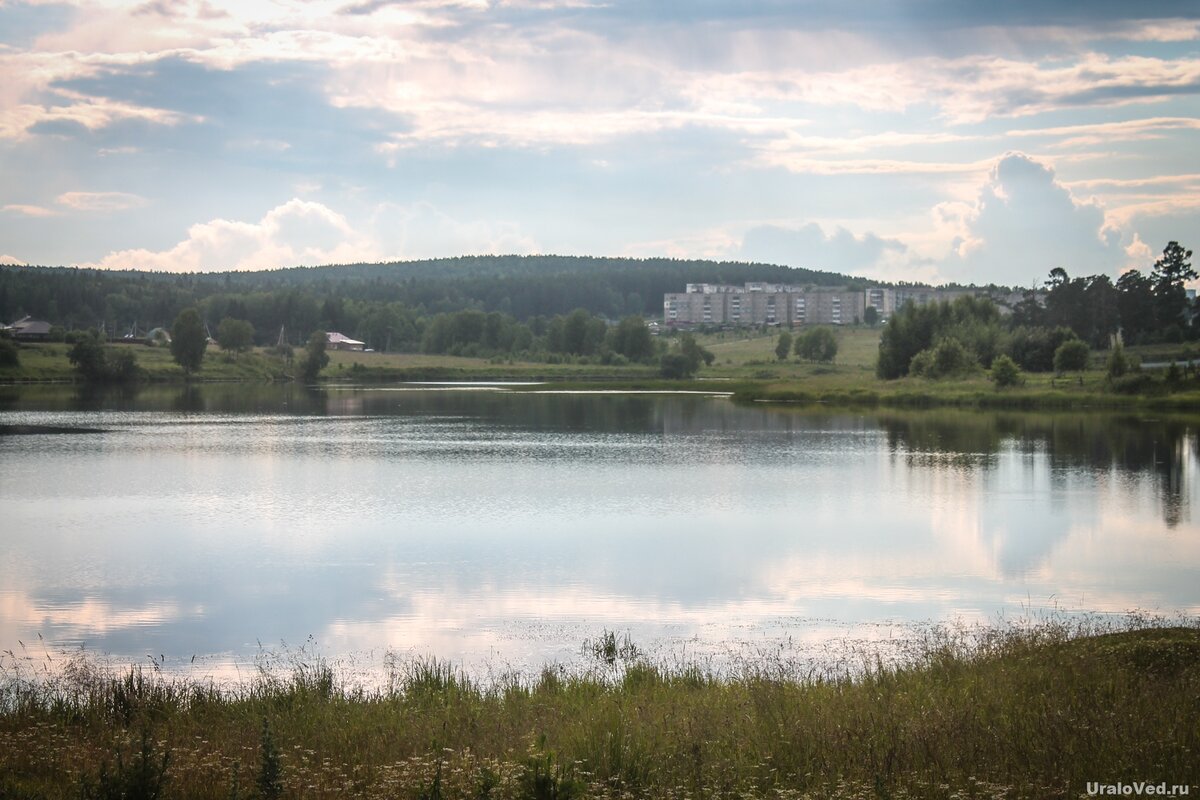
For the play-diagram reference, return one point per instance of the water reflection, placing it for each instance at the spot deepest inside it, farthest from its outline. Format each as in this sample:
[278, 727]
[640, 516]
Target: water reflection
[473, 524]
[1125, 447]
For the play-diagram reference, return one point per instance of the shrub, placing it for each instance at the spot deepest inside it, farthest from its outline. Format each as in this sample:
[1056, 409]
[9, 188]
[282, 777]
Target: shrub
[818, 344]
[675, 366]
[1174, 376]
[1133, 383]
[1071, 356]
[9, 357]
[1005, 372]
[1117, 364]
[951, 358]
[921, 364]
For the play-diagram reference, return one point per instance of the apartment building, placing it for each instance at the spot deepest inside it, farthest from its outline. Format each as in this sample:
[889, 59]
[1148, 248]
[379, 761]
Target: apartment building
[759, 303]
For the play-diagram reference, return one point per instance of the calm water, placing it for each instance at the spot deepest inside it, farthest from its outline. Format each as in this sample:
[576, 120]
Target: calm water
[505, 528]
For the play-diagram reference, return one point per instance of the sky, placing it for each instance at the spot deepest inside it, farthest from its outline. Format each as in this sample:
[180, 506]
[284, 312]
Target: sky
[925, 140]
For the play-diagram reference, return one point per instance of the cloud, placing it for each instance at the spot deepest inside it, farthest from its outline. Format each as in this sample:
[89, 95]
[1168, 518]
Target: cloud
[1025, 223]
[28, 210]
[1132, 130]
[810, 246]
[11, 261]
[301, 232]
[297, 232]
[100, 201]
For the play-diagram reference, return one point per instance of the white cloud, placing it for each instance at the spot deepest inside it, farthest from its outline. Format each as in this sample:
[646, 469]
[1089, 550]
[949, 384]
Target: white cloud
[100, 201]
[812, 247]
[28, 210]
[302, 232]
[297, 232]
[1025, 223]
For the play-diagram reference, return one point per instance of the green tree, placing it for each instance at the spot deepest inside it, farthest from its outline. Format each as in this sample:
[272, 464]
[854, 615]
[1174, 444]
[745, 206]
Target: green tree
[315, 357]
[694, 352]
[631, 338]
[1005, 372]
[818, 344]
[684, 361]
[1071, 356]
[87, 357]
[783, 346]
[1170, 295]
[871, 316]
[188, 340]
[235, 335]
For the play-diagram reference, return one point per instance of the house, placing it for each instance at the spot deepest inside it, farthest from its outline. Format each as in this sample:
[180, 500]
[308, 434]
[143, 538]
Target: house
[29, 330]
[338, 341]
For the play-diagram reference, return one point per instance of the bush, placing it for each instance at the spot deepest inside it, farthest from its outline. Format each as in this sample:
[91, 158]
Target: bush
[1174, 376]
[675, 366]
[1071, 356]
[9, 357]
[818, 344]
[1117, 364]
[921, 364]
[951, 358]
[1133, 383]
[1033, 348]
[1005, 372]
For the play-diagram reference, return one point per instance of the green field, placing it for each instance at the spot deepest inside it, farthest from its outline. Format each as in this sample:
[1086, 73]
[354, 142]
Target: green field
[985, 713]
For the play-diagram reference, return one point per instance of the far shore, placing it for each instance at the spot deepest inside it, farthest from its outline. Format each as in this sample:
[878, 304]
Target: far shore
[744, 365]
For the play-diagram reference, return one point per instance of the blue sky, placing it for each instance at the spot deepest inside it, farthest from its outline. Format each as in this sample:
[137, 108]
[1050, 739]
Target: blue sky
[929, 140]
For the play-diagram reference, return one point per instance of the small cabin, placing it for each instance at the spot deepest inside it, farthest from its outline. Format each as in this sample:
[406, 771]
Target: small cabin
[338, 341]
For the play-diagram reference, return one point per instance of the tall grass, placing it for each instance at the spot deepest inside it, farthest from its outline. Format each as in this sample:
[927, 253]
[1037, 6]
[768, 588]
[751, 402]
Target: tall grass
[1004, 711]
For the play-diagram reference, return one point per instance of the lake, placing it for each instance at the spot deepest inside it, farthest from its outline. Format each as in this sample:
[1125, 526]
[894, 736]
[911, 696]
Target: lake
[208, 526]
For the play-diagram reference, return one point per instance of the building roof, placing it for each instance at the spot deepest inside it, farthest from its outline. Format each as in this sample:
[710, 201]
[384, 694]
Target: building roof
[333, 337]
[30, 327]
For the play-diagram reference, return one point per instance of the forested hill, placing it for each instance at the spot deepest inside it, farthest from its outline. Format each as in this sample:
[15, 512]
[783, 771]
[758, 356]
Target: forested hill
[308, 297]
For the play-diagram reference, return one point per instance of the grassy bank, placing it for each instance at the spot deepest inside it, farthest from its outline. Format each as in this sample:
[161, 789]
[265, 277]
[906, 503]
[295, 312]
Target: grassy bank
[744, 364]
[996, 713]
[49, 363]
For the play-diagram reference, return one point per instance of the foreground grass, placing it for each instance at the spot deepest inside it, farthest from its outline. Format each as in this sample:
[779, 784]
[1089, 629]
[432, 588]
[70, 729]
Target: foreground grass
[993, 713]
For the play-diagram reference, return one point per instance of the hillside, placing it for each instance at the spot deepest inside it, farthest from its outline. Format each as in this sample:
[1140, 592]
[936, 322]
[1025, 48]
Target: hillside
[304, 297]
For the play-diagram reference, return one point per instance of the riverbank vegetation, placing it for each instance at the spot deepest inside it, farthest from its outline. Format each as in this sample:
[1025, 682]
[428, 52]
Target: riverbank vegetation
[1012, 712]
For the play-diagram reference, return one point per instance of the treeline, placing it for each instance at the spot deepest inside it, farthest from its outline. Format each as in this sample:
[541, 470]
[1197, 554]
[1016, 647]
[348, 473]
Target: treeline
[947, 338]
[388, 306]
[579, 334]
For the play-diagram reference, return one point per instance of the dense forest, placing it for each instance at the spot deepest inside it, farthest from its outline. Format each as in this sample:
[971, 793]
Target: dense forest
[388, 306]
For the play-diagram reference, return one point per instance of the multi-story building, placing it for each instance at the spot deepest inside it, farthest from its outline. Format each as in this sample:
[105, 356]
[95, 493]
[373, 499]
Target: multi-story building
[789, 305]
